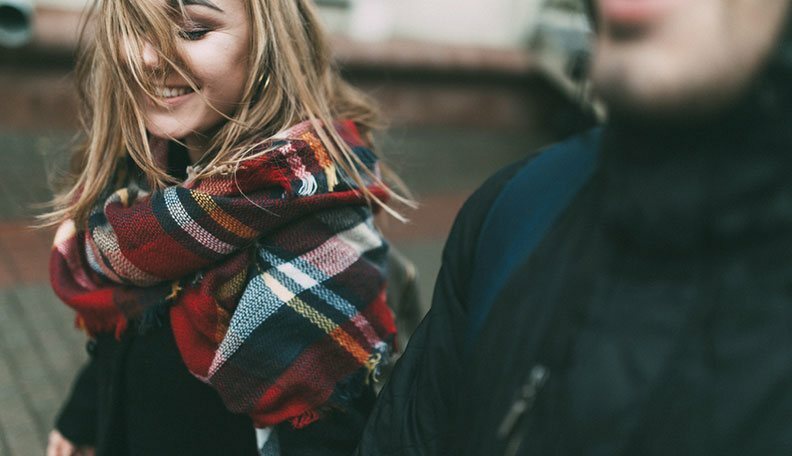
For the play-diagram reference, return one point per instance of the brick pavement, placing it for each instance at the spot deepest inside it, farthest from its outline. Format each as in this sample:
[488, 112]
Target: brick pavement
[40, 351]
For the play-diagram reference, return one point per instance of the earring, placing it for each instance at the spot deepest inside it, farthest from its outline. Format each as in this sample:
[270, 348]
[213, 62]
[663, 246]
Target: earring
[261, 88]
[266, 83]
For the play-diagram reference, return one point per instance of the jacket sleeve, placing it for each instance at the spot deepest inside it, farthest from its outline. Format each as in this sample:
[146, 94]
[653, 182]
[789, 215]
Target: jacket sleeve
[416, 410]
[77, 418]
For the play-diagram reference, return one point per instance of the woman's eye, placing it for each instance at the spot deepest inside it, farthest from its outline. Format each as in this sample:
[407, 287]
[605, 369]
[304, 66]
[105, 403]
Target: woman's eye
[193, 34]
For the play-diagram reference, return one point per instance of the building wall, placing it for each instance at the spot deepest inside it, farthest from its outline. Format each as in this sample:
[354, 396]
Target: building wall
[499, 23]
[496, 23]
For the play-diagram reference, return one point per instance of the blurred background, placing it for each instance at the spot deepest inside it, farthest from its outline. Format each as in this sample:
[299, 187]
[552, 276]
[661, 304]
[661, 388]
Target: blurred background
[467, 87]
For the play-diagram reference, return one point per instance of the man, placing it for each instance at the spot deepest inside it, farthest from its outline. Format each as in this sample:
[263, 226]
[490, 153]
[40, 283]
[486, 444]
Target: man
[653, 312]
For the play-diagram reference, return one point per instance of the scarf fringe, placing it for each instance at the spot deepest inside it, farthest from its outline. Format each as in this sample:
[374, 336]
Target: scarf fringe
[115, 325]
[348, 390]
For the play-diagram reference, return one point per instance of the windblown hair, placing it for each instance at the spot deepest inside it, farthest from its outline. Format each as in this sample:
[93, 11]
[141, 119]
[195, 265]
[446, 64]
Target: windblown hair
[291, 79]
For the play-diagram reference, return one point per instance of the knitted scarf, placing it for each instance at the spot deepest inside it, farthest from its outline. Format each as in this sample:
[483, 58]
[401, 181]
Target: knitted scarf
[273, 276]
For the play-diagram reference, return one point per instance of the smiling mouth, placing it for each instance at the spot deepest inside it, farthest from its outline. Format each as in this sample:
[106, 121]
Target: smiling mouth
[172, 92]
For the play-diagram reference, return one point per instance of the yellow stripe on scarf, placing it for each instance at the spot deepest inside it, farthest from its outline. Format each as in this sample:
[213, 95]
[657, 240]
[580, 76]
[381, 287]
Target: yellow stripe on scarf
[233, 286]
[340, 336]
[223, 320]
[337, 333]
[222, 217]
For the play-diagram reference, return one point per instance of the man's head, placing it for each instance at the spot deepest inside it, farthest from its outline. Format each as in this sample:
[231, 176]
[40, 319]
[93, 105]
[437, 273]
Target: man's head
[662, 58]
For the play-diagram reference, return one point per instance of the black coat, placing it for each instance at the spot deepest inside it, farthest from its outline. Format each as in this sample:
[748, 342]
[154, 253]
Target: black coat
[655, 317]
[136, 397]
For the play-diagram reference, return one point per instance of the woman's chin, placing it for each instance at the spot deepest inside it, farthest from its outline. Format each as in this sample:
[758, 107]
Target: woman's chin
[168, 130]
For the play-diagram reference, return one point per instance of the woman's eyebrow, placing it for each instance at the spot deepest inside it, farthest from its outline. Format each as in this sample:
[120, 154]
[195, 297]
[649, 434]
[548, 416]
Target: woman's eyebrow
[206, 3]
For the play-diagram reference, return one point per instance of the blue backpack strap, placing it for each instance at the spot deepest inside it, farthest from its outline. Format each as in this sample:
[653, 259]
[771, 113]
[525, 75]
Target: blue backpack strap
[526, 208]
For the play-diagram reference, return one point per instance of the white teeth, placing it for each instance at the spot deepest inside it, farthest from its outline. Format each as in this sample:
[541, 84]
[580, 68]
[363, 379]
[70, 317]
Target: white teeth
[171, 92]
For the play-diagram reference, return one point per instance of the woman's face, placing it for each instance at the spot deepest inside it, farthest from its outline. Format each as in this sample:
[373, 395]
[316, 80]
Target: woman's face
[214, 45]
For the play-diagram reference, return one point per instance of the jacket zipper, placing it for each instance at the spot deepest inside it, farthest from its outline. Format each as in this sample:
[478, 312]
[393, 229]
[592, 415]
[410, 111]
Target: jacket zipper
[526, 397]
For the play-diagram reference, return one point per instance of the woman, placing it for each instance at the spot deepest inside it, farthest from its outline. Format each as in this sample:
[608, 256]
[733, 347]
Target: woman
[216, 241]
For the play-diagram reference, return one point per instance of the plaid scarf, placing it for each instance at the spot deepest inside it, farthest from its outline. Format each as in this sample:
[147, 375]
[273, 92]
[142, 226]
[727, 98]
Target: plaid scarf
[273, 276]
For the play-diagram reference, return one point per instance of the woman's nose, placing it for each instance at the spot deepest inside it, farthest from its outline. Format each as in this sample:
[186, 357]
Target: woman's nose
[150, 56]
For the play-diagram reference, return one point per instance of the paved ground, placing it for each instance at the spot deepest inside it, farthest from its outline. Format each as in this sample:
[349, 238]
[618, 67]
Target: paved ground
[40, 350]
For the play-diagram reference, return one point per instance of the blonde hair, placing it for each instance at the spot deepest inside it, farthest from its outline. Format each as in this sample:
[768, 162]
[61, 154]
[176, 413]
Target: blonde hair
[292, 79]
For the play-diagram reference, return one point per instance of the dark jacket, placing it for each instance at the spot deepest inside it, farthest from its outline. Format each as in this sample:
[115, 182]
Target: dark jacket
[653, 317]
[136, 397]
[416, 412]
